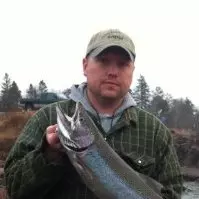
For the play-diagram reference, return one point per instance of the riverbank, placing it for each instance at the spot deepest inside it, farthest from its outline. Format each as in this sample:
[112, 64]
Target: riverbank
[190, 174]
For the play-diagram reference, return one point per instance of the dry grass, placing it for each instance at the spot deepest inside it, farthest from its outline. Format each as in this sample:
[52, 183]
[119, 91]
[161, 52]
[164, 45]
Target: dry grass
[11, 125]
[14, 121]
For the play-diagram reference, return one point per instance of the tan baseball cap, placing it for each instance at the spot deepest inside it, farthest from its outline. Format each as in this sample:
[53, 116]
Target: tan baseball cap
[107, 38]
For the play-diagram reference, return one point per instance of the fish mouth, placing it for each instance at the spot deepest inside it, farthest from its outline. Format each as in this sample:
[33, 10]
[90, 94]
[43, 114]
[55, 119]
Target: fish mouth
[72, 134]
[76, 149]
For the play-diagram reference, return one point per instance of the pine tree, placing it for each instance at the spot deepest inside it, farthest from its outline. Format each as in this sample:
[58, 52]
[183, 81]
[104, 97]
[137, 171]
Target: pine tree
[159, 104]
[141, 93]
[6, 85]
[31, 92]
[181, 114]
[14, 94]
[158, 92]
[42, 87]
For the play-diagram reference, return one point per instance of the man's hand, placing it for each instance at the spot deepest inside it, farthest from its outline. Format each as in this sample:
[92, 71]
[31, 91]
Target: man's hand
[52, 138]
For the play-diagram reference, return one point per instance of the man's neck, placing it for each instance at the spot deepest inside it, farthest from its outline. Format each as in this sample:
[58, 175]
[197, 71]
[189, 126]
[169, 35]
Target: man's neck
[104, 106]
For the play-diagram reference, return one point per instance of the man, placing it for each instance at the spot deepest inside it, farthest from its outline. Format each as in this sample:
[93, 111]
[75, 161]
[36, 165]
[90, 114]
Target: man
[36, 167]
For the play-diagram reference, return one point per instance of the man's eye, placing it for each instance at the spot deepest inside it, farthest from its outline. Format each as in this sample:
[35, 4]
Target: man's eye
[123, 63]
[104, 60]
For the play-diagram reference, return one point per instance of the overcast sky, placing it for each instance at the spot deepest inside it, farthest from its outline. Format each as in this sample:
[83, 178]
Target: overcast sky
[47, 40]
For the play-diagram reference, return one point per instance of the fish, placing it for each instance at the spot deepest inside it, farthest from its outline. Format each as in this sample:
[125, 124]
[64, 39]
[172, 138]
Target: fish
[103, 171]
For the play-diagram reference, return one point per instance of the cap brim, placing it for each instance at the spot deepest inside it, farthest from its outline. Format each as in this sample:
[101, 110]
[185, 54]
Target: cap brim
[100, 49]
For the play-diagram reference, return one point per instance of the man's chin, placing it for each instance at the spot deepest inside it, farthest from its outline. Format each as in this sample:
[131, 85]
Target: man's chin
[110, 95]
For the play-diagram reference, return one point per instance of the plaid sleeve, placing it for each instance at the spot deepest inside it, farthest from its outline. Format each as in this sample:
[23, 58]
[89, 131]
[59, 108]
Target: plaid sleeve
[168, 169]
[28, 173]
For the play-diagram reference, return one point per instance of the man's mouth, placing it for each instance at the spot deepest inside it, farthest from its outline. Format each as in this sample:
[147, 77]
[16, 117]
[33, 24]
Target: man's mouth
[111, 83]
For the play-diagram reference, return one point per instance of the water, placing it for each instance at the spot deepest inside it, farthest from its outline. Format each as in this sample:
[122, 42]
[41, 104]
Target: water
[192, 192]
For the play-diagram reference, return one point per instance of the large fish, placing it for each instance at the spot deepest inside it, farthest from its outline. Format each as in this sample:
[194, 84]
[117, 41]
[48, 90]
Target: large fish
[104, 172]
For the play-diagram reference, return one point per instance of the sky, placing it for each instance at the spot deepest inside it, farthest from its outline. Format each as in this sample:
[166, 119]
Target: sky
[47, 40]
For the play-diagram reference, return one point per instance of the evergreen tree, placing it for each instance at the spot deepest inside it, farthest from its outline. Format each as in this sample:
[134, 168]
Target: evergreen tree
[181, 114]
[14, 94]
[141, 93]
[31, 92]
[159, 105]
[42, 87]
[6, 85]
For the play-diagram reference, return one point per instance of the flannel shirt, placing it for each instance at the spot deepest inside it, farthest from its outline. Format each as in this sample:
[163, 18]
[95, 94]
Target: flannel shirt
[138, 137]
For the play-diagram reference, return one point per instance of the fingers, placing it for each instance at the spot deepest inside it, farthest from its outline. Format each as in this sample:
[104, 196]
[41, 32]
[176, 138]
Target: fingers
[52, 136]
[51, 129]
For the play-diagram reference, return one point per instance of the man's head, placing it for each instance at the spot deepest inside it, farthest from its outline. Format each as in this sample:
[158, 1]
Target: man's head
[111, 37]
[109, 64]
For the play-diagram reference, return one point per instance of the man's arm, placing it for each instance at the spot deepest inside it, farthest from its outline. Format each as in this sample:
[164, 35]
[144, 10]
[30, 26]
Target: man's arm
[168, 171]
[32, 168]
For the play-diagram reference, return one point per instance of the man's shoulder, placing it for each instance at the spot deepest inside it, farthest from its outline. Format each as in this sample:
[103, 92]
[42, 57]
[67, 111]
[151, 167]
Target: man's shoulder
[146, 119]
[143, 114]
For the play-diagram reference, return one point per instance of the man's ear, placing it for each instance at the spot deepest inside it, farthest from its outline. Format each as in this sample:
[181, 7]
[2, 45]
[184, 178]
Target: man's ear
[85, 63]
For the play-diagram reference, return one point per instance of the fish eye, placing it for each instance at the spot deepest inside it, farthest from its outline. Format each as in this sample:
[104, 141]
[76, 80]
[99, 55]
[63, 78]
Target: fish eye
[81, 119]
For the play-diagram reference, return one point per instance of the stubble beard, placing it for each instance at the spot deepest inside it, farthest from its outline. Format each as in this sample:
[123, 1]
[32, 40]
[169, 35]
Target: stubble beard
[104, 99]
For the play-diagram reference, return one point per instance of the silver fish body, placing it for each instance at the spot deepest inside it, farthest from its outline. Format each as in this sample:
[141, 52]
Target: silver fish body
[104, 172]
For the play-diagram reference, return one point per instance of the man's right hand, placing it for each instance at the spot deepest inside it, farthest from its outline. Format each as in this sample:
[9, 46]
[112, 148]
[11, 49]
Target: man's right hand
[52, 138]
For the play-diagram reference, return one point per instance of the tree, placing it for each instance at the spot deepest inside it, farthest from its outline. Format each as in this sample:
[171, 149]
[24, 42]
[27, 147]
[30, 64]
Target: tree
[6, 85]
[10, 93]
[159, 105]
[196, 121]
[181, 114]
[42, 87]
[168, 97]
[31, 92]
[141, 93]
[158, 92]
[14, 94]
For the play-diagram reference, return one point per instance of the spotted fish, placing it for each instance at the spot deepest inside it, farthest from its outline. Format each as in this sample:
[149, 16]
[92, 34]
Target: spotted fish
[104, 172]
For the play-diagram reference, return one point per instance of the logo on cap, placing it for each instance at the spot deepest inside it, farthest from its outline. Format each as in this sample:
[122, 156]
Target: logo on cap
[115, 37]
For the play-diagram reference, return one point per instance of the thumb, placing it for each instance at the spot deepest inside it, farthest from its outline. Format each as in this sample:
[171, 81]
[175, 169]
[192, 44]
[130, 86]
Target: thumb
[51, 129]
[51, 135]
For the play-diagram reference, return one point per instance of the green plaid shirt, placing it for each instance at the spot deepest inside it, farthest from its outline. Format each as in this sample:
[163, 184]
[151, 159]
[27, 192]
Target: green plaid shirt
[138, 137]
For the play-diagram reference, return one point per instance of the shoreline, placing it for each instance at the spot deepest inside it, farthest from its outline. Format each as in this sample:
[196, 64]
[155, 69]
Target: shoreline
[190, 173]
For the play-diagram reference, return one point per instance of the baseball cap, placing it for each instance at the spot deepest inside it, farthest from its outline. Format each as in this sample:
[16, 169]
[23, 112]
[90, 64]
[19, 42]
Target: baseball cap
[108, 38]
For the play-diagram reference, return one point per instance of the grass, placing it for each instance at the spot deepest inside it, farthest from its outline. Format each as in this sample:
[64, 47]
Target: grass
[11, 125]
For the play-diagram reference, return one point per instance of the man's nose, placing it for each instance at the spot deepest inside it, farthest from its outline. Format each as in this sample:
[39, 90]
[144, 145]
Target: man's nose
[113, 69]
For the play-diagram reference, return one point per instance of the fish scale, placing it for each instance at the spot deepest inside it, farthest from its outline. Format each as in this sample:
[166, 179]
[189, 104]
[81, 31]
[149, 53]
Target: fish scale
[109, 177]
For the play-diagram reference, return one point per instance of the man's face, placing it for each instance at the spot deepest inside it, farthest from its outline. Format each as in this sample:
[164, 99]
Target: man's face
[109, 75]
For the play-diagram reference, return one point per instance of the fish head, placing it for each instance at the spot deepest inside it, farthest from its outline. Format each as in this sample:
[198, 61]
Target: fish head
[75, 132]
